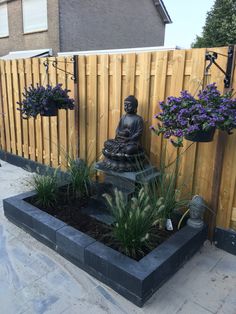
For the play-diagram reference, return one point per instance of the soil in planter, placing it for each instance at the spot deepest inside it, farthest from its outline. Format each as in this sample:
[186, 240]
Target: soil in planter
[70, 213]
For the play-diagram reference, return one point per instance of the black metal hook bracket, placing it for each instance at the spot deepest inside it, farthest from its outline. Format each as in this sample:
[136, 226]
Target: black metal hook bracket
[211, 56]
[55, 65]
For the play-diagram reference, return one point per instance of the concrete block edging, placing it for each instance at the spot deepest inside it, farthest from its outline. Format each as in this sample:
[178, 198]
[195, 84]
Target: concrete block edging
[135, 280]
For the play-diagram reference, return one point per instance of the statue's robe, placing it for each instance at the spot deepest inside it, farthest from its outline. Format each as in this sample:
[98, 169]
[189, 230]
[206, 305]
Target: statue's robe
[128, 135]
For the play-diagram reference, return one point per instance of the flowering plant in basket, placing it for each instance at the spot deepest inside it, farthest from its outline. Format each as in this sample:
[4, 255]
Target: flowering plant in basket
[44, 101]
[186, 115]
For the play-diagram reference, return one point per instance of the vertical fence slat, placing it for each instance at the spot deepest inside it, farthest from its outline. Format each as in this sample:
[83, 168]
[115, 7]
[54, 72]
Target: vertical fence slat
[45, 120]
[230, 207]
[143, 96]
[38, 120]
[11, 109]
[17, 113]
[104, 103]
[92, 110]
[72, 145]
[25, 128]
[5, 106]
[130, 74]
[2, 121]
[233, 214]
[29, 81]
[53, 120]
[2, 126]
[158, 95]
[115, 104]
[227, 189]
[62, 117]
[82, 81]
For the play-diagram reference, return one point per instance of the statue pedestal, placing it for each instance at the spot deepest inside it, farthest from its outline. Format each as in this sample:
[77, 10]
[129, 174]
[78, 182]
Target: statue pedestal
[127, 181]
[96, 206]
[123, 181]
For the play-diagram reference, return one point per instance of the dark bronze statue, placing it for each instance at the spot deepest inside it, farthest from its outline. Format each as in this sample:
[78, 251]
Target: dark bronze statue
[125, 151]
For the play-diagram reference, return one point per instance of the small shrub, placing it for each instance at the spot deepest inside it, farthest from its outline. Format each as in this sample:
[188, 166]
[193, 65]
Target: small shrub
[46, 188]
[134, 221]
[79, 178]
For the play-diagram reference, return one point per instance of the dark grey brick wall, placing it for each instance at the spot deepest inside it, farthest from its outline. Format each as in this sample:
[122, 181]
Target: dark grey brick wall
[106, 24]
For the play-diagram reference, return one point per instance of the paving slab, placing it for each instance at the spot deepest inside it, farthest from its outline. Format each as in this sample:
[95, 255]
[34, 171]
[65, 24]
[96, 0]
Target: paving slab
[36, 280]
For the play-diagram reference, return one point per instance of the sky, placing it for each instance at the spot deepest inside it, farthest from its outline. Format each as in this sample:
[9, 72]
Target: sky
[188, 17]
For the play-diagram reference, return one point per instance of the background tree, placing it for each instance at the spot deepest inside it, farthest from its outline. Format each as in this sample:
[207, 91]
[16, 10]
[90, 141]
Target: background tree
[220, 26]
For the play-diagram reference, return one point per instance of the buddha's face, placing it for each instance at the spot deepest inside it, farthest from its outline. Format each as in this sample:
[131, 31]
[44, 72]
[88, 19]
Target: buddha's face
[129, 107]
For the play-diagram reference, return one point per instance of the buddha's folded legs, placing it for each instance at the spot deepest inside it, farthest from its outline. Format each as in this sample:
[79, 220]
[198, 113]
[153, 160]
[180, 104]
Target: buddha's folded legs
[115, 147]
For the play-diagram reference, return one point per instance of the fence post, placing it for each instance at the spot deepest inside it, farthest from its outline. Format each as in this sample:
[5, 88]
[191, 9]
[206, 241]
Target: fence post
[2, 124]
[220, 150]
[77, 109]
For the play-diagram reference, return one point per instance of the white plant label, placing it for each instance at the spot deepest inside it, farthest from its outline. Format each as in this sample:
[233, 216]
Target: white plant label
[169, 225]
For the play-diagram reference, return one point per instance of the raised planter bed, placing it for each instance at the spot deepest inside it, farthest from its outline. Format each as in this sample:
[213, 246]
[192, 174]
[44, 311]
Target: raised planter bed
[135, 280]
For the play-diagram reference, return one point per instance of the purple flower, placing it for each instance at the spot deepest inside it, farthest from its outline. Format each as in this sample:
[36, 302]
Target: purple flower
[37, 99]
[152, 128]
[178, 133]
[187, 114]
[173, 108]
[167, 134]
[193, 128]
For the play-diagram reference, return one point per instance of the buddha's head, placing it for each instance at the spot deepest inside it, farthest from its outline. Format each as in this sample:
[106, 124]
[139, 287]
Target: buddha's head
[130, 104]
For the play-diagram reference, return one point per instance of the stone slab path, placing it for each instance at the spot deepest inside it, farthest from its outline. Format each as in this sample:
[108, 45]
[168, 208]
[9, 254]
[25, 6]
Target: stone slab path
[36, 280]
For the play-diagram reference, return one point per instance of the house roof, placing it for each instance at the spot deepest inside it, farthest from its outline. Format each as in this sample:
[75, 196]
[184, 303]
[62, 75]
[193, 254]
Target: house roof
[27, 54]
[163, 11]
[116, 51]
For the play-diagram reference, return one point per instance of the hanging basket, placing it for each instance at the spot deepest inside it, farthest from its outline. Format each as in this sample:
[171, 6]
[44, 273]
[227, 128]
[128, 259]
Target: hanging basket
[201, 136]
[51, 111]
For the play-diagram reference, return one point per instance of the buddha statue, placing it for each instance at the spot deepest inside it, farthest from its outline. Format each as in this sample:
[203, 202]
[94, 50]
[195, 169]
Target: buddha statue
[124, 151]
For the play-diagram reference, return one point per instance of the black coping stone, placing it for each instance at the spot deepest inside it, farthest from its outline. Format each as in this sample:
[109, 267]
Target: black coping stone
[47, 225]
[32, 232]
[225, 240]
[143, 278]
[36, 220]
[135, 280]
[19, 210]
[167, 258]
[115, 266]
[72, 243]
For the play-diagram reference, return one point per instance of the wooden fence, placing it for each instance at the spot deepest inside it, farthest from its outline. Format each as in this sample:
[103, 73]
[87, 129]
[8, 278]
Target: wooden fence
[46, 140]
[103, 83]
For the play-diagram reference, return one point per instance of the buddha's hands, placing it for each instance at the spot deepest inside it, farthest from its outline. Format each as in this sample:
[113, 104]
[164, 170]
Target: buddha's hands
[125, 134]
[122, 139]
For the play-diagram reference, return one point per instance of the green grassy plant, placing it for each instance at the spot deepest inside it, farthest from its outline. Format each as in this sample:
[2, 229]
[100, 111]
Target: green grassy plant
[134, 221]
[166, 188]
[46, 188]
[79, 178]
